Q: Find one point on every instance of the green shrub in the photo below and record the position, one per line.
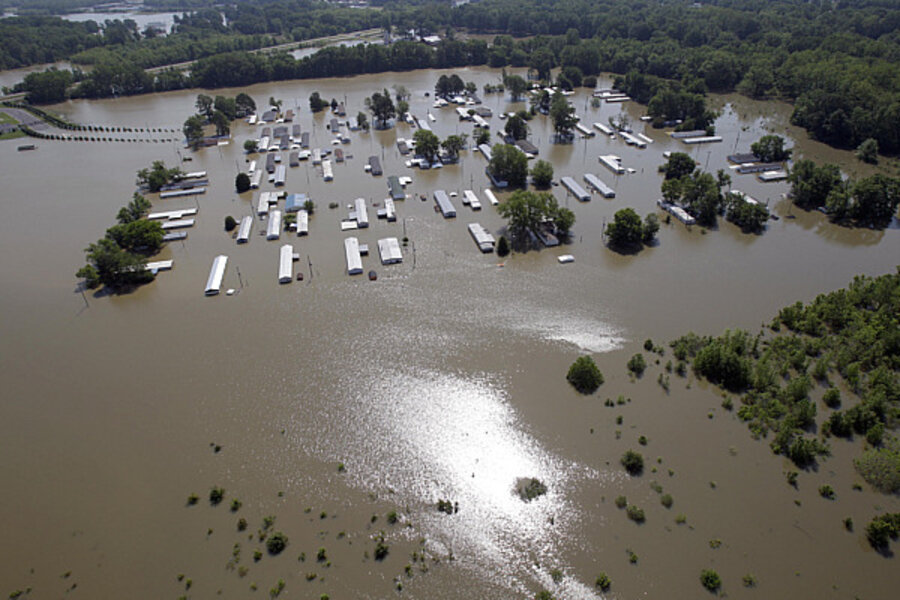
(603, 582)
(882, 529)
(710, 580)
(276, 543)
(637, 364)
(826, 491)
(880, 467)
(635, 514)
(749, 580)
(621, 502)
(666, 500)
(633, 462)
(584, 375)
(216, 495)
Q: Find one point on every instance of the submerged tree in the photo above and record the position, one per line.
(770, 148)
(382, 107)
(584, 375)
(427, 144)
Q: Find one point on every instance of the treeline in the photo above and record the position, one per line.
(36, 40)
(839, 64)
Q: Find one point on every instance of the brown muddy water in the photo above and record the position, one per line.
(443, 379)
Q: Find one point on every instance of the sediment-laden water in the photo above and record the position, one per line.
(443, 379)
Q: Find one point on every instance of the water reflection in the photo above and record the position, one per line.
(430, 436)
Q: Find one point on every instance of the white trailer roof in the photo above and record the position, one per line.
(216, 273)
(389, 250)
(273, 228)
(362, 215)
(244, 230)
(286, 264)
(354, 260)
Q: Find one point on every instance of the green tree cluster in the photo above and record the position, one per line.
(854, 331)
(542, 174)
(584, 375)
(427, 144)
(627, 232)
(454, 144)
(751, 217)
(516, 128)
(882, 529)
(699, 193)
(158, 175)
(527, 212)
(871, 201)
(508, 164)
(770, 148)
(382, 107)
(118, 261)
(562, 114)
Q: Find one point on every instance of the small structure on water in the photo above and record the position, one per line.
(389, 250)
(576, 190)
(483, 239)
(216, 274)
(443, 203)
(351, 253)
(596, 183)
(286, 264)
(273, 228)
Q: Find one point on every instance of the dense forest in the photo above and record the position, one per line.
(839, 64)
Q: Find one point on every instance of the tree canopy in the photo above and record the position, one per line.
(526, 212)
(427, 144)
(563, 117)
(508, 164)
(516, 128)
(770, 148)
(382, 107)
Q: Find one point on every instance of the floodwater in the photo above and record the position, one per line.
(443, 379)
(141, 18)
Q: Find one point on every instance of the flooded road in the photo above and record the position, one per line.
(442, 380)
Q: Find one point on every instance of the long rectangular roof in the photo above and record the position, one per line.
(244, 230)
(444, 204)
(351, 252)
(216, 273)
(577, 191)
(286, 264)
(273, 228)
(596, 183)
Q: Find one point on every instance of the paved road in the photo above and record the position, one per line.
(24, 117)
(324, 41)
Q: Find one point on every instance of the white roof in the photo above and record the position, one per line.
(273, 229)
(216, 273)
(285, 264)
(389, 249)
(244, 230)
(354, 260)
